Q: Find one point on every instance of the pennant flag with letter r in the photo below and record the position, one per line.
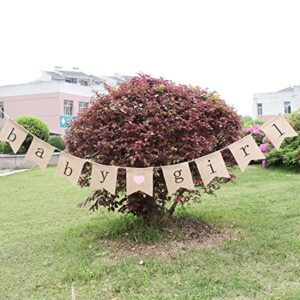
(245, 150)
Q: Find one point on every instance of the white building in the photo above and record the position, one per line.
(267, 105)
(56, 97)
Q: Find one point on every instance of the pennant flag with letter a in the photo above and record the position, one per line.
(14, 134)
(211, 166)
(104, 177)
(277, 129)
(245, 150)
(69, 166)
(40, 153)
(178, 176)
(139, 179)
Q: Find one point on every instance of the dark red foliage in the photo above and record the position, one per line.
(151, 122)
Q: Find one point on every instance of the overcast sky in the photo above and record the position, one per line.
(234, 47)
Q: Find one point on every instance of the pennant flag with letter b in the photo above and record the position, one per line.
(178, 176)
(139, 179)
(211, 166)
(277, 129)
(69, 166)
(104, 177)
(245, 150)
(40, 153)
(14, 134)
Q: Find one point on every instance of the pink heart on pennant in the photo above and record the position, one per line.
(139, 179)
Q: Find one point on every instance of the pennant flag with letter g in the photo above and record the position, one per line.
(178, 176)
(245, 150)
(277, 129)
(14, 134)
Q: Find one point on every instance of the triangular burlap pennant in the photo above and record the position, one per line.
(211, 166)
(14, 134)
(139, 179)
(70, 167)
(104, 177)
(40, 153)
(178, 176)
(245, 150)
(277, 129)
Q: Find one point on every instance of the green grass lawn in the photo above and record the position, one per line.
(47, 244)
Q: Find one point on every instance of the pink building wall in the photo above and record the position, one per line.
(46, 106)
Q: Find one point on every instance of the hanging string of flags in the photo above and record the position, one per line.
(141, 179)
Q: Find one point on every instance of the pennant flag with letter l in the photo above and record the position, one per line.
(178, 176)
(277, 129)
(104, 177)
(211, 166)
(14, 134)
(40, 153)
(245, 150)
(139, 179)
(69, 166)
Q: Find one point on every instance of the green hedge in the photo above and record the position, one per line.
(57, 142)
(34, 126)
(289, 153)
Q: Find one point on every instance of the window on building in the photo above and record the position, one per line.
(84, 82)
(259, 109)
(287, 107)
(1, 110)
(71, 80)
(83, 105)
(68, 107)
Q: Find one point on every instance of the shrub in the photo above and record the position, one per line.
(35, 126)
(248, 122)
(289, 153)
(57, 142)
(151, 122)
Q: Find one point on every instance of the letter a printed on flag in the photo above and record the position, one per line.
(104, 177)
(69, 166)
(40, 153)
(277, 129)
(245, 150)
(178, 176)
(14, 134)
(139, 179)
(211, 166)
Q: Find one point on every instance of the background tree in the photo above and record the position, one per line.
(35, 126)
(151, 122)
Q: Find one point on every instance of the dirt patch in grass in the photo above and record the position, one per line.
(177, 236)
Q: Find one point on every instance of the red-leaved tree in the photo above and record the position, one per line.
(148, 122)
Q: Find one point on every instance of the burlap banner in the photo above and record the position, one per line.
(139, 179)
(14, 134)
(245, 150)
(40, 153)
(104, 177)
(211, 166)
(178, 176)
(69, 166)
(277, 129)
